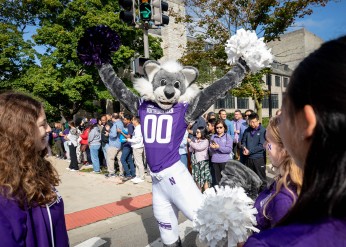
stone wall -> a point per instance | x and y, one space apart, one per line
293 47
173 35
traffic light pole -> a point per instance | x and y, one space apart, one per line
146 42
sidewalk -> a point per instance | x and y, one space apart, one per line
89 197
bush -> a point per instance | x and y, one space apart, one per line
265 122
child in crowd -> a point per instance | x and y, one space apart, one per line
274 202
200 159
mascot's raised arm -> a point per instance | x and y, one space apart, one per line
168 101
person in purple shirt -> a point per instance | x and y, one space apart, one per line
31 209
221 145
274 202
313 130
65 133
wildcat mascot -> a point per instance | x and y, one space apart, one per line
169 100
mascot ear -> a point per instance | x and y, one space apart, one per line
150 68
190 73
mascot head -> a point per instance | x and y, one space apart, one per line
167 83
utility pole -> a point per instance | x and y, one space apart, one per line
269 80
143 14
146 40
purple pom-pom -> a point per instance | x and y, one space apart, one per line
97 44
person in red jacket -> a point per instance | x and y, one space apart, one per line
85 151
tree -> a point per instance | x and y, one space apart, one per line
214 21
252 86
204 60
59 77
16 54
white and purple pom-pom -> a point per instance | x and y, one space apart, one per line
97 44
246 45
225 216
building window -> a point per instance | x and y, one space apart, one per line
208 47
268 79
227 103
275 102
277 81
285 81
243 103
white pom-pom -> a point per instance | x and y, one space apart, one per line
253 50
225 215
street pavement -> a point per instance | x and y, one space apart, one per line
99 212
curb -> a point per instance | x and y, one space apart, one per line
109 210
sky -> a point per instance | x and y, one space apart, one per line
327 22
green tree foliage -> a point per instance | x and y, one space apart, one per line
206 61
214 21
16 54
59 78
252 86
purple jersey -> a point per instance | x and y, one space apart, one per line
163 131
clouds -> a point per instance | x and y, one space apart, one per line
312 23
326 22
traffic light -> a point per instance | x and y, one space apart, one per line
157 8
128 14
145 10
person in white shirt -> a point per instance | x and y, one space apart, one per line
138 150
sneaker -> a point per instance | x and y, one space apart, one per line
110 175
88 165
137 180
126 179
73 170
67 168
96 172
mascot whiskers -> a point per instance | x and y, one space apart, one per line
169 100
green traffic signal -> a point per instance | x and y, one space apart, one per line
145 11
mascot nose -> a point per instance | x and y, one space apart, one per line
169 92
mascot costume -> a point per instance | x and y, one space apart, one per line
169 100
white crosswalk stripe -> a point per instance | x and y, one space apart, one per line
92 242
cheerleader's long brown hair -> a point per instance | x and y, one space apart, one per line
25 175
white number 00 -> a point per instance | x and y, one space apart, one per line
156 128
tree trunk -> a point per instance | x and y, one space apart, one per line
258 106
